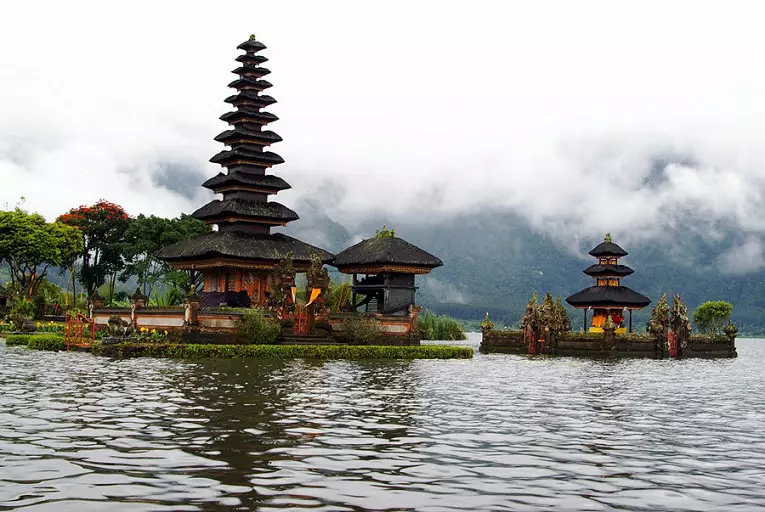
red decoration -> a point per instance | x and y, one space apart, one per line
672 341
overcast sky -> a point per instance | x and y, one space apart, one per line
581 116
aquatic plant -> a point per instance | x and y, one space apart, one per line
439 327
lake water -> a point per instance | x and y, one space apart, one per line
497 432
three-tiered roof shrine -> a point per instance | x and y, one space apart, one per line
236 258
608 297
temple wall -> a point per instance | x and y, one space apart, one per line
218 321
503 342
219 326
600 345
155 318
395 329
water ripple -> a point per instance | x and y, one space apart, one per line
496 433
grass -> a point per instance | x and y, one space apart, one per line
440 327
322 352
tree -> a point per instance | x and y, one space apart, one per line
144 237
102 227
30 245
659 322
712 316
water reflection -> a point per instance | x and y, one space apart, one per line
498 432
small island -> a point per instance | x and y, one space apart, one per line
244 296
546 328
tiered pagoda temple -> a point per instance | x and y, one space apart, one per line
388 265
236 259
608 297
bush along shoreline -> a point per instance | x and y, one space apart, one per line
262 351
51 342
322 352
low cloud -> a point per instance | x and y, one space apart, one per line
445 293
181 179
654 137
744 258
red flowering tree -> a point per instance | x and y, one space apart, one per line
103 227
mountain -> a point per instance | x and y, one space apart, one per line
494 261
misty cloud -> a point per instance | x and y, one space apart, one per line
654 136
744 258
445 293
180 179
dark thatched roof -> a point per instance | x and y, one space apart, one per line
386 250
608 296
237 244
256 59
248 115
252 157
264 137
262 100
607 249
264 181
251 45
608 270
243 208
251 69
254 84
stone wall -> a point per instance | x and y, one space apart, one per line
604 345
169 319
396 329
219 326
503 342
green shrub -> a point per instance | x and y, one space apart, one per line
321 352
711 316
439 327
361 330
50 342
257 327
17 339
23 308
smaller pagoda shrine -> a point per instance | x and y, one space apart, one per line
383 269
608 298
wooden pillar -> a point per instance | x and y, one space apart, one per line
353 292
630 319
584 325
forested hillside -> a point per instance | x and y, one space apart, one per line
493 262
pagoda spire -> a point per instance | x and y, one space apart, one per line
237 259
245 185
